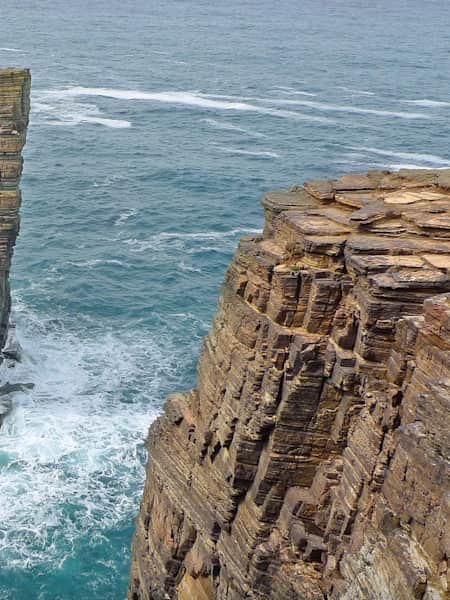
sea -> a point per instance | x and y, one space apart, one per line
156 127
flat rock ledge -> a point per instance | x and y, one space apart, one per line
312 460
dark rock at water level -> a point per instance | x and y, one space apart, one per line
312 460
5 396
11 347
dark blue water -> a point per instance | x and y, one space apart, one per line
156 127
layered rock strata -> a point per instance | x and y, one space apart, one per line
14 110
312 460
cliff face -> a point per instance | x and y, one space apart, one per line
312 461
14 109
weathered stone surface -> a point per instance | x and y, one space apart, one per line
312 460
14 109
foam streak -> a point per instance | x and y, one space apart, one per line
430 159
189 99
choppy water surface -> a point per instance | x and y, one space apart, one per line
156 127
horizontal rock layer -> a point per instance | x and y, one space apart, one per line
14 110
312 460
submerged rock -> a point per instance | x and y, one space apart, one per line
312 460
9 388
6 391
5 407
12 349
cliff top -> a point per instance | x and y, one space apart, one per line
405 214
14 108
14 72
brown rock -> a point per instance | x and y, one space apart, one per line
14 109
312 460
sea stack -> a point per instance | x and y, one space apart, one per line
312 459
14 111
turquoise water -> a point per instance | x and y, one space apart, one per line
156 128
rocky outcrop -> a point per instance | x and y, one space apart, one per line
14 109
312 460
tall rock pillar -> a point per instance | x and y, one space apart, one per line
14 111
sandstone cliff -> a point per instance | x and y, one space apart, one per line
312 461
14 109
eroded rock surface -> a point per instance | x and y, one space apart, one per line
14 109
312 460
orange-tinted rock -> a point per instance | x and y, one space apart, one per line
312 460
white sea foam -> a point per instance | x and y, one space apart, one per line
94 262
398 166
189 99
361 164
323 106
426 102
185 98
38 107
292 91
429 159
161 240
255 153
113 123
357 92
12 50
109 180
326 107
183 266
230 127
69 112
125 215
71 450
